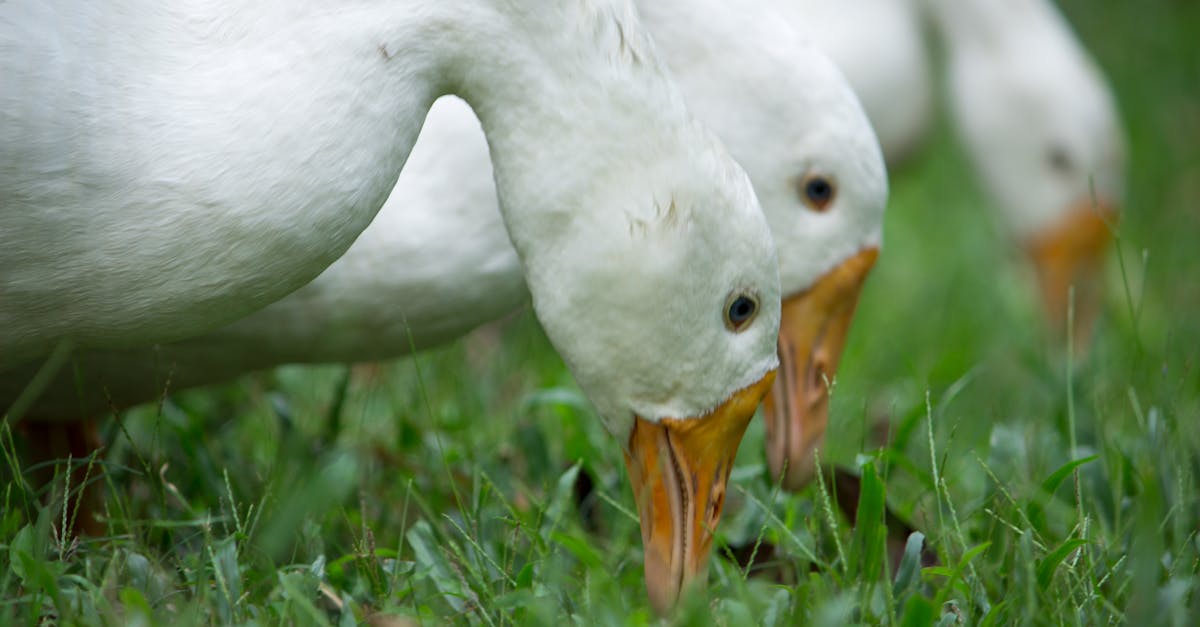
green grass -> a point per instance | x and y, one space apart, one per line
441 488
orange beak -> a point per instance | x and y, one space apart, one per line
812 332
679 469
1071 253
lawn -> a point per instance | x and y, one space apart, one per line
474 484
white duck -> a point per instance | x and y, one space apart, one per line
167 168
1035 116
1039 122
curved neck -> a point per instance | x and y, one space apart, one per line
969 24
569 95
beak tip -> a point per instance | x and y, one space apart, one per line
1070 253
661 588
665 591
679 469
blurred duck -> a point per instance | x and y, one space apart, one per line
1039 122
169 168
783 109
1035 115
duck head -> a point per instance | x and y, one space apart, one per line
664 302
1038 121
789 116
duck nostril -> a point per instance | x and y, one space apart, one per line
714 505
820 375
819 381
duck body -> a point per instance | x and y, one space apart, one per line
435 263
157 184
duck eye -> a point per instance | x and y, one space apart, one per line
740 311
1059 160
817 192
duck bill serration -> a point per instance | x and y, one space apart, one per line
812 332
679 469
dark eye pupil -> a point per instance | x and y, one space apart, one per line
818 190
1059 159
741 310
